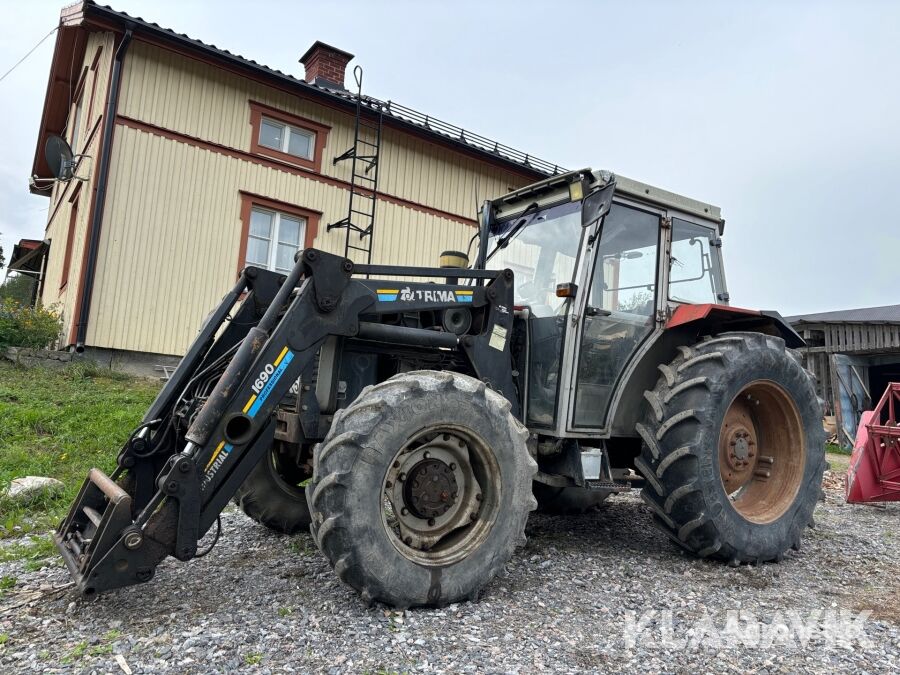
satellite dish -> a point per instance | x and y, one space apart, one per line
59 157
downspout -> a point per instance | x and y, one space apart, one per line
109 125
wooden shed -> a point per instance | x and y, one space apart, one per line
854 353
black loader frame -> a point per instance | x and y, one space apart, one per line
215 418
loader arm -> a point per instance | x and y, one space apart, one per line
169 487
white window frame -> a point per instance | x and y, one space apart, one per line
289 130
275 240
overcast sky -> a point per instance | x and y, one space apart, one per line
784 113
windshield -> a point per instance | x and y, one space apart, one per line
541 248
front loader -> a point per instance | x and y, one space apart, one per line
409 416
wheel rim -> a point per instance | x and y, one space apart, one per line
440 495
762 452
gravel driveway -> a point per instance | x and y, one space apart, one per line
574 599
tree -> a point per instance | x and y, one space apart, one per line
19 288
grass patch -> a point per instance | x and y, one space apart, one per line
302 545
81 649
60 424
252 658
78 651
6 583
839 462
836 449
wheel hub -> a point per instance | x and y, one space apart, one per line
741 448
738 449
430 489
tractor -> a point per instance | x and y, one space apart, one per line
413 417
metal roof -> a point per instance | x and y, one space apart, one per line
883 314
404 116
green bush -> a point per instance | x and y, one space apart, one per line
24 326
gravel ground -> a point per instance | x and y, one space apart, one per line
571 600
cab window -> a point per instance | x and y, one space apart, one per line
694 266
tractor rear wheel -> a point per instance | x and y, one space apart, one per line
274 495
421 489
733 448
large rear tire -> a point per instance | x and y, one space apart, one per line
421 489
273 495
733 448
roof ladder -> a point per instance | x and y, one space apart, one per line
363 157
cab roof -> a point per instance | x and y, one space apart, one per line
556 189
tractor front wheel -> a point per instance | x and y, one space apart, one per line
274 494
421 489
733 448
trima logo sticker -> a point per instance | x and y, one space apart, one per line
425 295
266 380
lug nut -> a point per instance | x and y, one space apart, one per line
431 521
402 476
407 541
452 466
426 455
404 511
478 497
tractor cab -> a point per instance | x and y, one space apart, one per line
600 264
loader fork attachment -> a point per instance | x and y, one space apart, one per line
168 490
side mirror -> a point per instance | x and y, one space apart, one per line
597 204
59 158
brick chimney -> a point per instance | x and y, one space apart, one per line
325 65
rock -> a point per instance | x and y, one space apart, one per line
29 488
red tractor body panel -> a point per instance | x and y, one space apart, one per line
688 313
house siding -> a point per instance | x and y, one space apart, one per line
172 233
65 300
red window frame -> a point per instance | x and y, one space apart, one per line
249 200
70 237
94 64
260 110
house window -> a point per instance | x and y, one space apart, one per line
273 231
287 139
70 238
274 238
76 123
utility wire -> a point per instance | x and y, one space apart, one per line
31 51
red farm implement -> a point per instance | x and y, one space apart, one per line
874 473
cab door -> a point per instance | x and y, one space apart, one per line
618 312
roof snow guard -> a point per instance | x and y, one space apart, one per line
402 116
